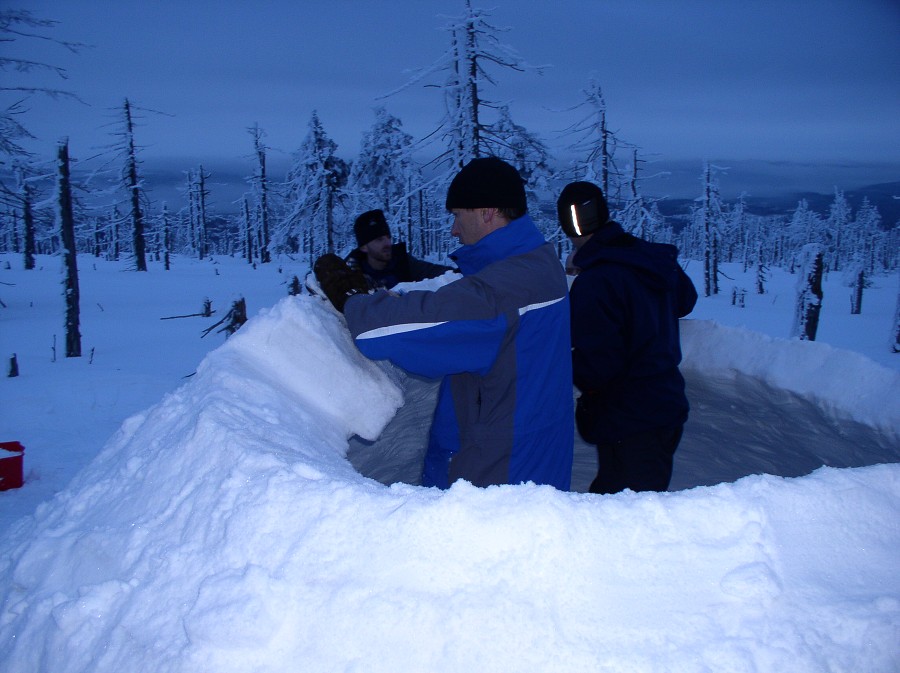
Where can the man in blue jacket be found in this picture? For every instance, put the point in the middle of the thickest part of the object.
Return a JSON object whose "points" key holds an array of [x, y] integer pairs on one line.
{"points": [[498, 338], [625, 301]]}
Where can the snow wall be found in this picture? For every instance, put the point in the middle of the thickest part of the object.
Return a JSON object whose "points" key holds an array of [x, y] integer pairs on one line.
{"points": [[223, 530], [843, 383]]}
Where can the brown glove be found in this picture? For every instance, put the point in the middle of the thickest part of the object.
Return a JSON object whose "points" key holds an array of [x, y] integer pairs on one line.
{"points": [[338, 281]]}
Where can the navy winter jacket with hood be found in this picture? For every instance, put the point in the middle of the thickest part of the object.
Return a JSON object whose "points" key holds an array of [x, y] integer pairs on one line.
{"points": [[625, 303], [499, 337]]}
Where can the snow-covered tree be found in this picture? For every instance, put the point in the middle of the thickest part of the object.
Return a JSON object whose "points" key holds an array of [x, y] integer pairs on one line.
{"points": [[193, 236], [593, 143], [134, 186], [114, 247], [198, 195], [639, 215], [11, 239], [803, 228], [28, 224], [867, 236], [384, 174], [809, 293], [311, 192], [762, 271], [260, 189], [835, 227], [734, 232], [464, 72], [707, 219], [858, 284], [247, 226], [531, 157]]}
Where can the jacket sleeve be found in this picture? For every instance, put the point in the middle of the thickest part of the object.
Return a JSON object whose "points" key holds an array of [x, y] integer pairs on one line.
{"points": [[686, 293], [452, 330], [599, 347], [419, 269]]}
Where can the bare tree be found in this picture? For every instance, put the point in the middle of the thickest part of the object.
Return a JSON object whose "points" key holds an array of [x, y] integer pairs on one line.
{"points": [[762, 271], [70, 257], [28, 225], [167, 238], [895, 328], [260, 185], [474, 47], [199, 225], [133, 184], [859, 283], [16, 25], [593, 140], [710, 214], [248, 230]]}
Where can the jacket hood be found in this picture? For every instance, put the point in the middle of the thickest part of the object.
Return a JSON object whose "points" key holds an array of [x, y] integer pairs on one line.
{"points": [[656, 263]]}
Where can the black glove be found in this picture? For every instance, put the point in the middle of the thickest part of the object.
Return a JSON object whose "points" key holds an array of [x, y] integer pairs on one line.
{"points": [[338, 281]]}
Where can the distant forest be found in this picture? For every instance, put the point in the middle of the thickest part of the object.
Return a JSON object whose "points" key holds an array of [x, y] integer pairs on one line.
{"points": [[309, 210]]}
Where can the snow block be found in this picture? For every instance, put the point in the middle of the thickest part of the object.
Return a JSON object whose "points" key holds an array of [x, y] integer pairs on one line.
{"points": [[11, 465]]}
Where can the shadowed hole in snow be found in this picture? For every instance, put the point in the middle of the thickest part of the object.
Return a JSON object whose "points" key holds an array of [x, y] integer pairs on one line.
{"points": [[738, 426]]}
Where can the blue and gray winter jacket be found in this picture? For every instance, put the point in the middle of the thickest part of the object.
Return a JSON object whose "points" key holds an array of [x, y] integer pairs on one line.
{"points": [[500, 338]]}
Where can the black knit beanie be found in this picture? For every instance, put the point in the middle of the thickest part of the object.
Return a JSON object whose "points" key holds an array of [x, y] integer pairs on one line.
{"points": [[488, 182], [369, 226], [581, 208]]}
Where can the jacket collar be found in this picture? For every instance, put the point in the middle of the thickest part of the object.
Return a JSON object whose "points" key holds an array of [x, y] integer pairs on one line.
{"points": [[516, 238]]}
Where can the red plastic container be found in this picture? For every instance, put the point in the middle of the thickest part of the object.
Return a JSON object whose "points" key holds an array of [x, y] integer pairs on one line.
{"points": [[11, 454]]}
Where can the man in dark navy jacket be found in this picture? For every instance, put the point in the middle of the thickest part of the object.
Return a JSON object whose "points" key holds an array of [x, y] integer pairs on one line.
{"points": [[625, 304], [383, 262]]}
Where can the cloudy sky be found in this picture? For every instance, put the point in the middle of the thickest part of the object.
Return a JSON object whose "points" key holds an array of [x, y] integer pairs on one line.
{"points": [[809, 82]]}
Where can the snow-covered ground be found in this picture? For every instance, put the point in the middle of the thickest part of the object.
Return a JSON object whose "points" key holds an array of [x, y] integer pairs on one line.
{"points": [[186, 511]]}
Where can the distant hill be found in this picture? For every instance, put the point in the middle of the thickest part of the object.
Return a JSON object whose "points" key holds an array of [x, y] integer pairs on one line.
{"points": [[228, 182], [884, 196]]}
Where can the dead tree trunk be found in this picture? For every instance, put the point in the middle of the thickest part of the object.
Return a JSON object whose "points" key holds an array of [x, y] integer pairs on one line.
{"points": [[248, 233], [167, 239], [856, 299], [236, 317], [760, 270], [28, 223], [134, 189], [809, 293], [70, 258], [262, 190], [895, 346]]}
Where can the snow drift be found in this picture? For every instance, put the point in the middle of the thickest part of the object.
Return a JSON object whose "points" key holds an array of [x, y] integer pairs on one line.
{"points": [[842, 382], [224, 530]]}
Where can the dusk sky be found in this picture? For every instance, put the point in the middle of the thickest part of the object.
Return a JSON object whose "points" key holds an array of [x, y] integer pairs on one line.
{"points": [[800, 81]]}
